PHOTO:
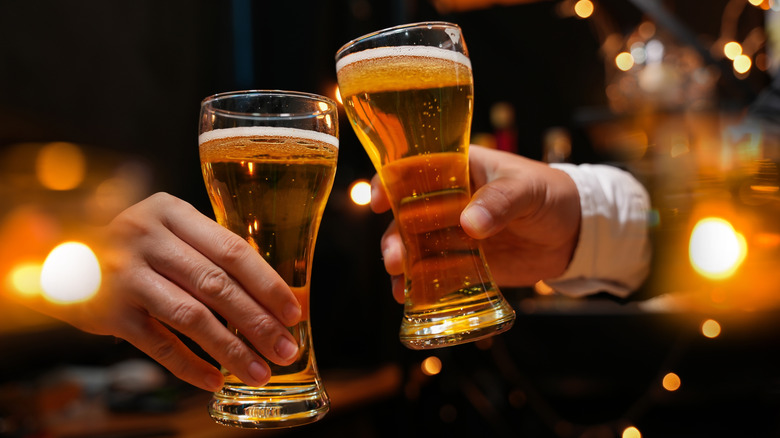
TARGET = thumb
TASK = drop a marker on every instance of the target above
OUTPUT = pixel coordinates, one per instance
(494, 205)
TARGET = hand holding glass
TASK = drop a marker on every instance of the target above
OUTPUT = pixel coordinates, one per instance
(269, 159)
(408, 93)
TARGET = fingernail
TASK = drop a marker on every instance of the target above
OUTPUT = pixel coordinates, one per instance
(285, 348)
(258, 371)
(479, 219)
(213, 382)
(292, 313)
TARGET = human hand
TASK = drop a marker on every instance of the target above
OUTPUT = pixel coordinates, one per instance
(526, 214)
(165, 268)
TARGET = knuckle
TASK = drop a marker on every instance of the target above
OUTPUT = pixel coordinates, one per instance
(263, 325)
(213, 282)
(128, 225)
(164, 352)
(232, 248)
(495, 195)
(186, 316)
(274, 286)
(163, 200)
(234, 349)
(160, 197)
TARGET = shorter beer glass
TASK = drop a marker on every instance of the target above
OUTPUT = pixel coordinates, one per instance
(408, 93)
(268, 160)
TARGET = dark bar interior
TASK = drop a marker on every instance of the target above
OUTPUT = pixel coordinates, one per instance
(99, 105)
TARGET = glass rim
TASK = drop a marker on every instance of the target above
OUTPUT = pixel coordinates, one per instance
(332, 106)
(394, 29)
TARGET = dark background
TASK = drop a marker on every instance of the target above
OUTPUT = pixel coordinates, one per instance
(127, 77)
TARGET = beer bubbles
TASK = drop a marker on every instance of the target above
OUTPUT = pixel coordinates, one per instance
(71, 273)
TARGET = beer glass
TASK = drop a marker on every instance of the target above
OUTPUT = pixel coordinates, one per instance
(268, 160)
(408, 93)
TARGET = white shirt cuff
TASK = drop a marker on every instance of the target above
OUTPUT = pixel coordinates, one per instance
(613, 252)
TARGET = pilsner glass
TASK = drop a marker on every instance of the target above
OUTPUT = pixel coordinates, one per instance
(408, 93)
(268, 159)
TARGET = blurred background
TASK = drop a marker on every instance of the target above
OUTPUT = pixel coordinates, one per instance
(98, 109)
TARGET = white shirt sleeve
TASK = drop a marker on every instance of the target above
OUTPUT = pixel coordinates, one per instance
(613, 252)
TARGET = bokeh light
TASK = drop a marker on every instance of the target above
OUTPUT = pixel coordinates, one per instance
(543, 288)
(671, 382)
(710, 328)
(360, 192)
(624, 61)
(716, 250)
(60, 166)
(431, 366)
(631, 432)
(583, 8)
(25, 278)
(742, 64)
(732, 49)
(71, 273)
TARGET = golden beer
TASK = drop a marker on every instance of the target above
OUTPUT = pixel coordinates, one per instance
(270, 185)
(411, 108)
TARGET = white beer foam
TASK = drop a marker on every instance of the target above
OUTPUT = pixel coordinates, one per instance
(419, 51)
(267, 131)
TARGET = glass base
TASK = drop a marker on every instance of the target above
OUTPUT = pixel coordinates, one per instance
(443, 328)
(261, 408)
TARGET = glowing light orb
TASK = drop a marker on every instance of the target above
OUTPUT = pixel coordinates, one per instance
(583, 8)
(71, 273)
(742, 64)
(716, 250)
(26, 279)
(710, 328)
(732, 49)
(631, 432)
(671, 382)
(60, 166)
(624, 61)
(360, 193)
(431, 366)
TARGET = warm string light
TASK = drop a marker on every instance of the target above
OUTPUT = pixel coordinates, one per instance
(431, 366)
(710, 328)
(25, 279)
(584, 8)
(631, 432)
(624, 61)
(732, 49)
(70, 273)
(671, 382)
(360, 192)
(519, 397)
(716, 249)
(742, 64)
(60, 166)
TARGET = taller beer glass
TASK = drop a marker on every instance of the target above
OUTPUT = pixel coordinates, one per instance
(268, 159)
(408, 93)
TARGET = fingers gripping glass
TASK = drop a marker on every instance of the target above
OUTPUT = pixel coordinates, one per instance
(268, 160)
(408, 93)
